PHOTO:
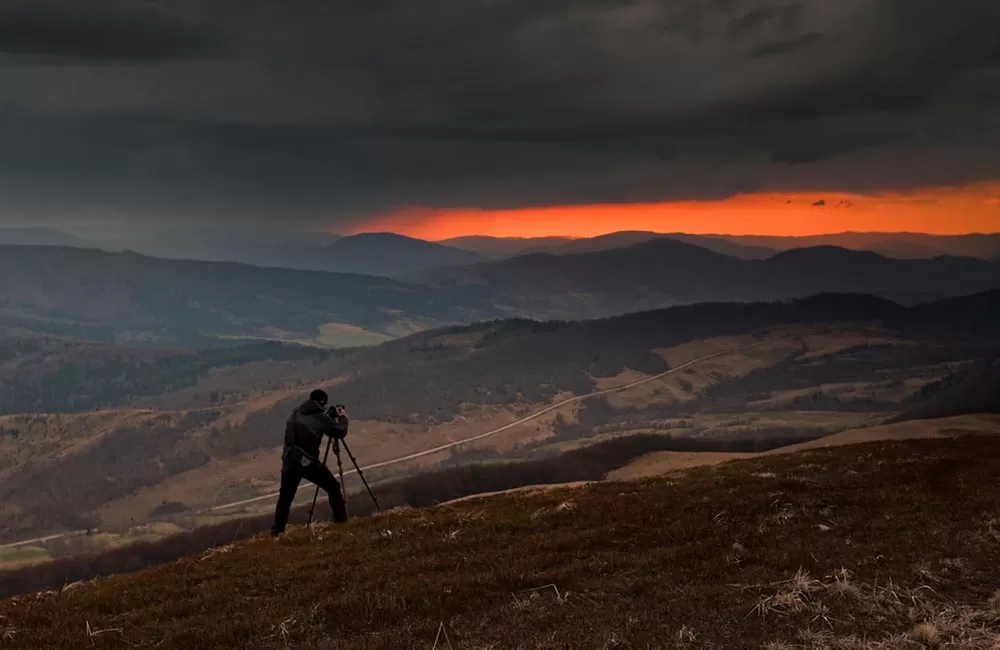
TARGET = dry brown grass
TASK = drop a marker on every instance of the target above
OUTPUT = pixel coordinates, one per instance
(646, 564)
(665, 462)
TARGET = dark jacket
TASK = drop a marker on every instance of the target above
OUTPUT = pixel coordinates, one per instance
(307, 425)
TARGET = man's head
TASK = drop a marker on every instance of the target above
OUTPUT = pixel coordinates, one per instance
(319, 396)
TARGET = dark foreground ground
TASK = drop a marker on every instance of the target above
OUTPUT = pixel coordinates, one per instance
(882, 546)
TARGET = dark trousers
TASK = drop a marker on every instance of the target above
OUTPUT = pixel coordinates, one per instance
(297, 466)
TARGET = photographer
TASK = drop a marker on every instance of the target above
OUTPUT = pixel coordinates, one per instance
(304, 432)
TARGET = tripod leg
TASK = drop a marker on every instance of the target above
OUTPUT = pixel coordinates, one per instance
(340, 470)
(312, 509)
(361, 474)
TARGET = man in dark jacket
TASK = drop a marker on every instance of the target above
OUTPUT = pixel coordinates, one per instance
(300, 459)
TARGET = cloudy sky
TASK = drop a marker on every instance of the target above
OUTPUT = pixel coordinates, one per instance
(353, 114)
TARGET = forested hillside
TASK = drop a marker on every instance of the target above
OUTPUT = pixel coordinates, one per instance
(47, 374)
(829, 362)
(133, 299)
(663, 272)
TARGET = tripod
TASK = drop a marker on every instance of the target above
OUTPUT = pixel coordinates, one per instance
(340, 469)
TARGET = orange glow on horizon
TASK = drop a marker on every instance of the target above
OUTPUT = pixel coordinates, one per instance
(946, 210)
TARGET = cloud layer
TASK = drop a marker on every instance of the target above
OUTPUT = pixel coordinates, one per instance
(325, 113)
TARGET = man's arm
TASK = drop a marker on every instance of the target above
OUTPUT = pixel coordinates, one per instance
(334, 426)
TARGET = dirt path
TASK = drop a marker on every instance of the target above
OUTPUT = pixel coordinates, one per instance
(527, 418)
(434, 450)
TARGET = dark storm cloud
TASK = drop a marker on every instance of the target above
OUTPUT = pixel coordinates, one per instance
(59, 33)
(298, 111)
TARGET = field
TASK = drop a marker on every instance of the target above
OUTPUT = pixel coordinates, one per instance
(888, 545)
(661, 463)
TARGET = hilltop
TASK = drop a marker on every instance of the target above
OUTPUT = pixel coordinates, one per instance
(380, 254)
(664, 272)
(901, 245)
(814, 550)
(135, 299)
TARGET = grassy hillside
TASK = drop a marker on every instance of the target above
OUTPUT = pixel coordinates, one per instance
(216, 442)
(130, 298)
(46, 374)
(813, 550)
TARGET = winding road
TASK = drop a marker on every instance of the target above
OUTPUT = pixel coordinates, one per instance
(434, 450)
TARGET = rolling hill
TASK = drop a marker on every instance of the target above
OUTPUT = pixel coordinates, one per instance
(131, 298)
(37, 237)
(47, 374)
(376, 254)
(389, 254)
(891, 244)
(500, 247)
(260, 248)
(819, 365)
(895, 245)
(663, 272)
(630, 238)
(685, 561)
(379, 254)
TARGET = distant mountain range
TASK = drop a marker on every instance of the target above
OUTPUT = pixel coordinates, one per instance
(665, 272)
(132, 298)
(379, 254)
(890, 244)
(512, 247)
(897, 245)
(398, 256)
(38, 237)
(135, 299)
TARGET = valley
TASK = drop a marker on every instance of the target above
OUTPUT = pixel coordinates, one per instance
(760, 377)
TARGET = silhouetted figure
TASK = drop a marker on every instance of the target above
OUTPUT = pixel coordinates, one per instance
(300, 459)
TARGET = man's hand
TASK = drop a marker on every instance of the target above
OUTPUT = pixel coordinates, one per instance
(342, 422)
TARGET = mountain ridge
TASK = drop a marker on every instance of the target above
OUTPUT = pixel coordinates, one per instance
(661, 272)
(130, 296)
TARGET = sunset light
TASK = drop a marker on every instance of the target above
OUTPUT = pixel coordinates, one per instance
(942, 210)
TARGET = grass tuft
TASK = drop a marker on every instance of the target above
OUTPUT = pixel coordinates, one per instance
(927, 635)
(994, 603)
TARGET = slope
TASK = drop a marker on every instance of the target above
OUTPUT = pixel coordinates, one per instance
(47, 374)
(663, 272)
(688, 562)
(37, 237)
(627, 238)
(504, 246)
(905, 244)
(664, 462)
(127, 297)
(389, 254)
(437, 387)
(380, 254)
